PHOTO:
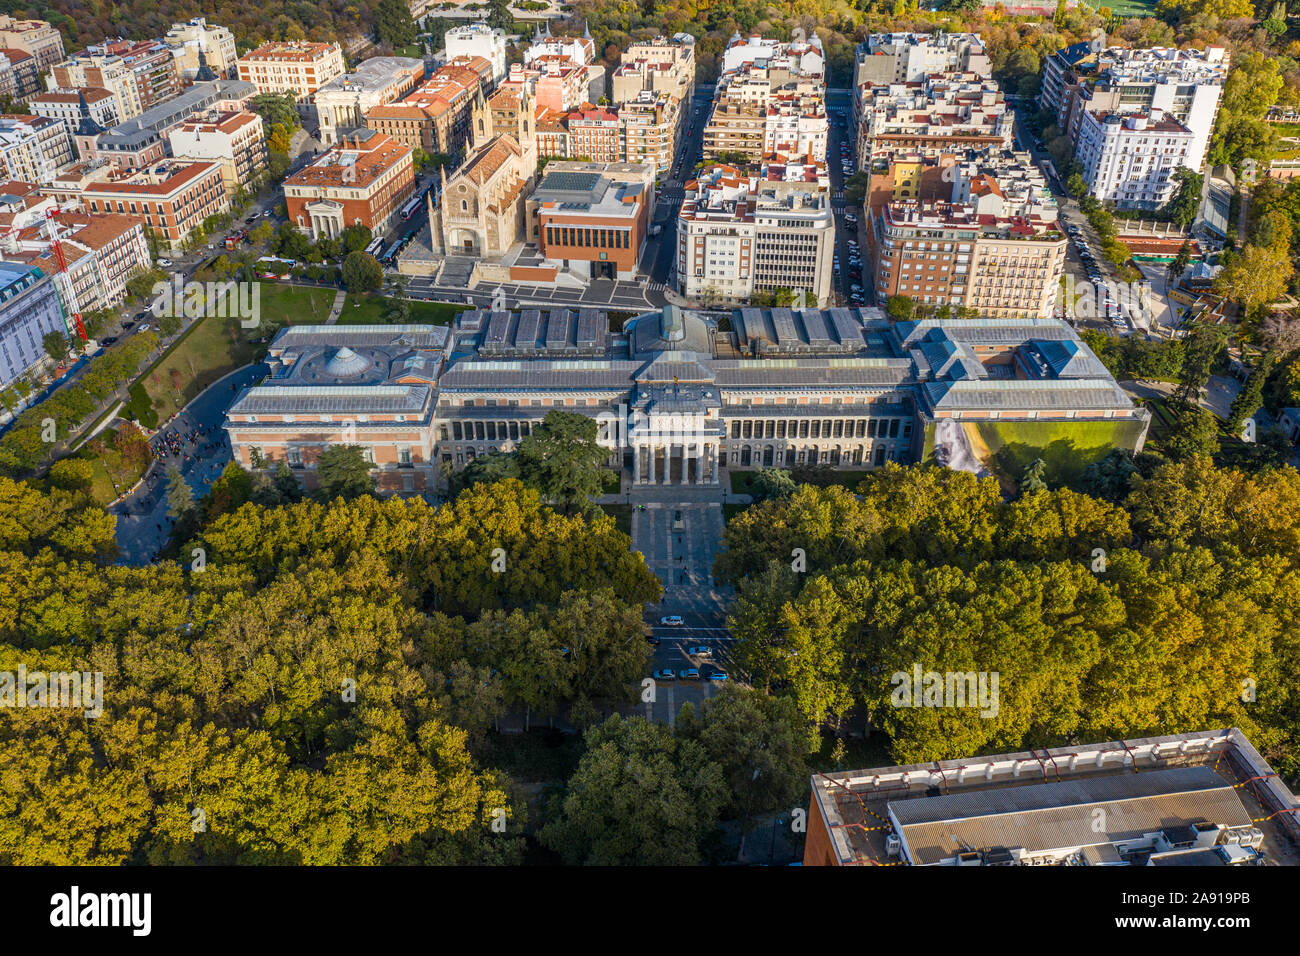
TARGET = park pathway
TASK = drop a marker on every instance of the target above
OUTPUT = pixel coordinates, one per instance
(337, 309)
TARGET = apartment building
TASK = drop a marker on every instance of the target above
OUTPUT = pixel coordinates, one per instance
(142, 140)
(794, 241)
(236, 141)
(20, 72)
(102, 252)
(172, 196)
(365, 180)
(884, 59)
(648, 125)
(35, 37)
(796, 125)
(1130, 158)
(343, 102)
(1186, 85)
(715, 236)
(71, 107)
(738, 233)
(103, 71)
(943, 113)
(951, 255)
(798, 58)
(594, 133)
(478, 40)
(661, 65)
(435, 116)
(29, 310)
(591, 222)
(33, 148)
(769, 92)
(196, 45)
(154, 67)
(552, 132)
(294, 67)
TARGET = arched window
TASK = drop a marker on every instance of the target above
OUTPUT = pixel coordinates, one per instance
(464, 205)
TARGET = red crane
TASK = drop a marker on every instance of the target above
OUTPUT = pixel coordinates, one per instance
(53, 226)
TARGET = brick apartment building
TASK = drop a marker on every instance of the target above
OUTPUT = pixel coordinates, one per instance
(173, 196)
(298, 68)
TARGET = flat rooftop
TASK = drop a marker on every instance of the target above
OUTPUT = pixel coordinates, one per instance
(1047, 799)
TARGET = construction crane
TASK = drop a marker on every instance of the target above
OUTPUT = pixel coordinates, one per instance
(52, 225)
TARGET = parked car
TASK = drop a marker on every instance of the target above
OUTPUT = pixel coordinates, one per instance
(665, 673)
(672, 620)
(718, 675)
(700, 650)
(165, 263)
(144, 328)
(108, 341)
(689, 673)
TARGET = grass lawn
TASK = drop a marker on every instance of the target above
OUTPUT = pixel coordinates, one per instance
(1132, 8)
(295, 305)
(112, 472)
(622, 515)
(373, 310)
(212, 347)
(216, 346)
(847, 478)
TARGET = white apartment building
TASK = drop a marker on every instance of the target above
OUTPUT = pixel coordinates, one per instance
(1186, 85)
(806, 58)
(479, 39)
(1129, 159)
(33, 148)
(70, 107)
(235, 140)
(885, 58)
(796, 126)
(739, 233)
(216, 44)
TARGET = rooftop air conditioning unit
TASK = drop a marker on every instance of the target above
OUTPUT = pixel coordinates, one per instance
(893, 845)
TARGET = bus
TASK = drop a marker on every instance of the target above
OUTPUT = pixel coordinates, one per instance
(376, 244)
(409, 209)
(390, 254)
(269, 267)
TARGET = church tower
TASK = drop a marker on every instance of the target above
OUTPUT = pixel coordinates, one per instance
(526, 132)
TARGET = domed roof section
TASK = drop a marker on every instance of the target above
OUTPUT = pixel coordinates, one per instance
(672, 330)
(345, 363)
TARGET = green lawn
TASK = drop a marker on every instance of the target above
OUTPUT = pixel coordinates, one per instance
(847, 478)
(622, 515)
(373, 310)
(295, 305)
(212, 347)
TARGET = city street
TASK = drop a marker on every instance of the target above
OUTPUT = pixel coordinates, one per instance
(143, 525)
